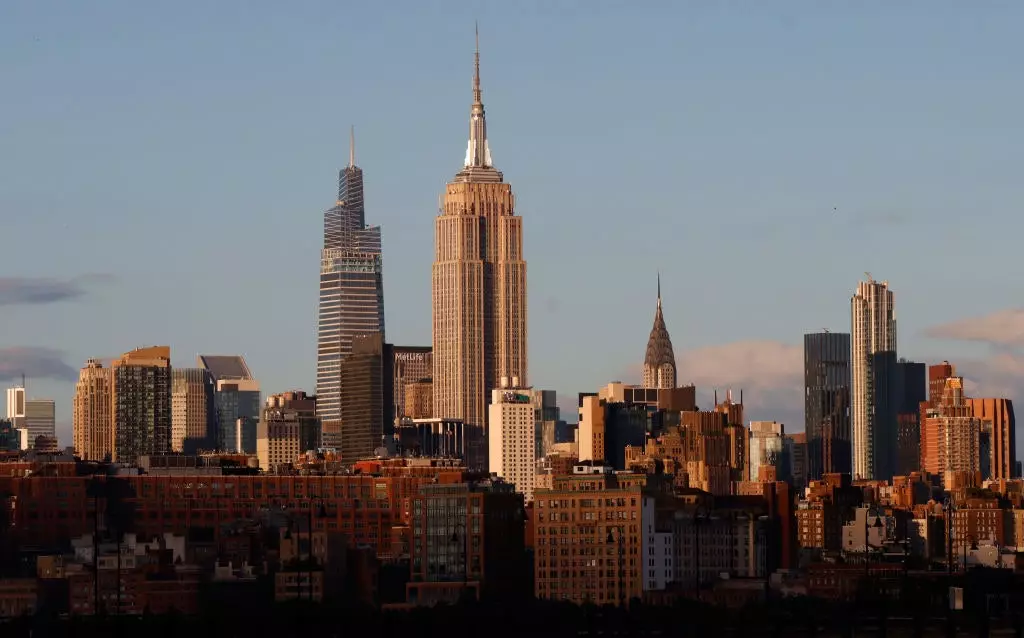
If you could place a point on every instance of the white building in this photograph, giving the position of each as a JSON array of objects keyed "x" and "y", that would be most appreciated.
[
  {"x": 16, "y": 406},
  {"x": 873, "y": 319},
  {"x": 512, "y": 436}
]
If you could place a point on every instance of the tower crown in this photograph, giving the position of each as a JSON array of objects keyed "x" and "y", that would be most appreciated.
[
  {"x": 659, "y": 359},
  {"x": 478, "y": 166}
]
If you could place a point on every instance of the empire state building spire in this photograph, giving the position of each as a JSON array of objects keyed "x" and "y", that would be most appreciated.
[{"x": 478, "y": 153}]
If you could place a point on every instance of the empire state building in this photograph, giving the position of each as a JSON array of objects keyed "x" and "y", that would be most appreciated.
[{"x": 479, "y": 282}]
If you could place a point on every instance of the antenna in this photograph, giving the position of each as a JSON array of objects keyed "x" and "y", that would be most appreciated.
[{"x": 868, "y": 275}]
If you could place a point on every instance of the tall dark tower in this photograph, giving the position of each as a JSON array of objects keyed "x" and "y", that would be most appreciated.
[
  {"x": 351, "y": 287},
  {"x": 827, "y": 403}
]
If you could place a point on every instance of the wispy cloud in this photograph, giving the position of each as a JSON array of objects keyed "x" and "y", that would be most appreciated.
[
  {"x": 1005, "y": 328},
  {"x": 34, "y": 363},
  {"x": 45, "y": 290}
]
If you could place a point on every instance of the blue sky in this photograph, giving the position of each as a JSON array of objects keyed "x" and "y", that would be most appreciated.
[{"x": 164, "y": 168}]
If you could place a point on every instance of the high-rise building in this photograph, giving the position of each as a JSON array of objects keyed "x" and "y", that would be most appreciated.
[
  {"x": 910, "y": 391},
  {"x": 351, "y": 286},
  {"x": 996, "y": 417},
  {"x": 193, "y": 416},
  {"x": 142, "y": 404},
  {"x": 412, "y": 365},
  {"x": 288, "y": 427},
  {"x": 873, "y": 320},
  {"x": 952, "y": 434},
  {"x": 40, "y": 419},
  {"x": 827, "y": 403},
  {"x": 16, "y": 406},
  {"x": 512, "y": 436},
  {"x": 659, "y": 359},
  {"x": 236, "y": 395},
  {"x": 92, "y": 420},
  {"x": 367, "y": 412},
  {"x": 478, "y": 282}
]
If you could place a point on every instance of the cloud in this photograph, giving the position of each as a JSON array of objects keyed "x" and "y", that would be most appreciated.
[
  {"x": 44, "y": 290},
  {"x": 1000, "y": 375},
  {"x": 1005, "y": 327},
  {"x": 34, "y": 363}
]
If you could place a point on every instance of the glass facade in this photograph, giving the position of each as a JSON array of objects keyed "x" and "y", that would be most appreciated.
[
  {"x": 827, "y": 403},
  {"x": 351, "y": 288}
]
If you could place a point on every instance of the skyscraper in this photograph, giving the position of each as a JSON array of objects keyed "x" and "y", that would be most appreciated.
[
  {"x": 142, "y": 404},
  {"x": 16, "y": 405},
  {"x": 351, "y": 286},
  {"x": 827, "y": 403},
  {"x": 478, "y": 282},
  {"x": 92, "y": 423},
  {"x": 873, "y": 320},
  {"x": 236, "y": 397},
  {"x": 367, "y": 407},
  {"x": 193, "y": 416},
  {"x": 659, "y": 359}
]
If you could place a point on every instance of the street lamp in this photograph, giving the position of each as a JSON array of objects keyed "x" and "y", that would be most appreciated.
[{"x": 615, "y": 537}]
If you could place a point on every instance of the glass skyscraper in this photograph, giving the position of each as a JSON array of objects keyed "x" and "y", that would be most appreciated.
[{"x": 351, "y": 287}]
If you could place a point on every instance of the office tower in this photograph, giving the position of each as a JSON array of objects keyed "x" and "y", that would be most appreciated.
[
  {"x": 40, "y": 419},
  {"x": 512, "y": 436},
  {"x": 911, "y": 390},
  {"x": 953, "y": 435},
  {"x": 659, "y": 359},
  {"x": 236, "y": 395},
  {"x": 827, "y": 403},
  {"x": 92, "y": 420},
  {"x": 767, "y": 448},
  {"x": 288, "y": 427},
  {"x": 412, "y": 364},
  {"x": 193, "y": 416},
  {"x": 351, "y": 286},
  {"x": 142, "y": 404},
  {"x": 16, "y": 406},
  {"x": 873, "y": 320},
  {"x": 478, "y": 282},
  {"x": 367, "y": 411},
  {"x": 546, "y": 421},
  {"x": 996, "y": 416}
]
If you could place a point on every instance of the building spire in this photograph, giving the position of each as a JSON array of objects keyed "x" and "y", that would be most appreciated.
[
  {"x": 659, "y": 289},
  {"x": 351, "y": 146},
  {"x": 478, "y": 153}
]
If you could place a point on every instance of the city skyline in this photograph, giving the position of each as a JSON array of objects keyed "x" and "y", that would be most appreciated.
[{"x": 723, "y": 344}]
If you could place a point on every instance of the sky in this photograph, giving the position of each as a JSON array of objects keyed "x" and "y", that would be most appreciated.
[{"x": 164, "y": 168}]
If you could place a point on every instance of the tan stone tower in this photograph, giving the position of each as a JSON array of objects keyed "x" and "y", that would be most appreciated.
[{"x": 479, "y": 282}]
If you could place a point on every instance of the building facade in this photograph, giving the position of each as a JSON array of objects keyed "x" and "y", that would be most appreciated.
[
  {"x": 367, "y": 411},
  {"x": 288, "y": 427},
  {"x": 92, "y": 420},
  {"x": 873, "y": 328},
  {"x": 478, "y": 282},
  {"x": 827, "y": 403},
  {"x": 996, "y": 416},
  {"x": 193, "y": 416},
  {"x": 142, "y": 404},
  {"x": 351, "y": 286},
  {"x": 659, "y": 358},
  {"x": 40, "y": 419},
  {"x": 236, "y": 396},
  {"x": 512, "y": 436},
  {"x": 412, "y": 364},
  {"x": 16, "y": 406}
]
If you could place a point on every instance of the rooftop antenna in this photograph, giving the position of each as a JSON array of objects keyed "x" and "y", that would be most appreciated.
[{"x": 868, "y": 275}]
